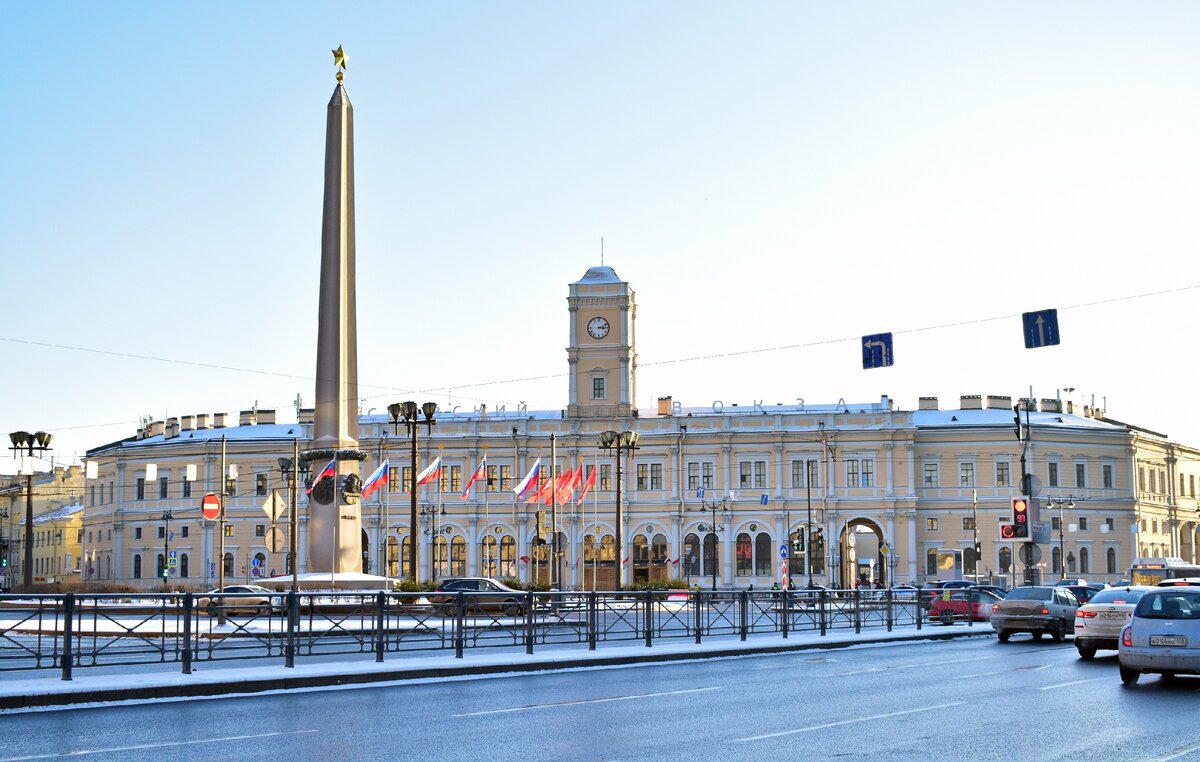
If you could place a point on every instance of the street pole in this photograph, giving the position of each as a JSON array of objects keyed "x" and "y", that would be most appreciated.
[
  {"x": 221, "y": 522},
  {"x": 1062, "y": 552},
  {"x": 553, "y": 513},
  {"x": 294, "y": 529},
  {"x": 808, "y": 525},
  {"x": 166, "y": 570},
  {"x": 975, "y": 530}
]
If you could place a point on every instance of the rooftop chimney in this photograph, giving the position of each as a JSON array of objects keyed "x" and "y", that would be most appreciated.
[
  {"x": 997, "y": 402},
  {"x": 970, "y": 402},
  {"x": 927, "y": 403},
  {"x": 220, "y": 420},
  {"x": 664, "y": 406}
]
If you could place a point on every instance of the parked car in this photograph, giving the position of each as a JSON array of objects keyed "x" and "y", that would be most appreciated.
[
  {"x": 995, "y": 589},
  {"x": 481, "y": 594},
  {"x": 1098, "y": 622},
  {"x": 978, "y": 602},
  {"x": 934, "y": 589},
  {"x": 1036, "y": 609},
  {"x": 1083, "y": 593},
  {"x": 1163, "y": 635},
  {"x": 907, "y": 593},
  {"x": 247, "y": 599}
]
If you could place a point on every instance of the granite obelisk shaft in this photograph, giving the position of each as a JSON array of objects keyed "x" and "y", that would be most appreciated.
[{"x": 335, "y": 526}]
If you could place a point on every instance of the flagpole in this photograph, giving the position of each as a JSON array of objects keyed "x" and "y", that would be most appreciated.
[
  {"x": 554, "y": 571},
  {"x": 595, "y": 520},
  {"x": 486, "y": 518},
  {"x": 381, "y": 551}
]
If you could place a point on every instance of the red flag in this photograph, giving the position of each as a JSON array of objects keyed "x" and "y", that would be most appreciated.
[{"x": 591, "y": 482}]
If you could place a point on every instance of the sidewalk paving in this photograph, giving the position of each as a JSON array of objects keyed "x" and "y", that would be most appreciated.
[{"x": 23, "y": 693}]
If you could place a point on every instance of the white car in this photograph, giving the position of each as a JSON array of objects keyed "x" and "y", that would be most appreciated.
[
  {"x": 1098, "y": 623},
  {"x": 1163, "y": 635}
]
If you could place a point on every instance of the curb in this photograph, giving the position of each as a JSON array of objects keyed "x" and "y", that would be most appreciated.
[{"x": 59, "y": 697}]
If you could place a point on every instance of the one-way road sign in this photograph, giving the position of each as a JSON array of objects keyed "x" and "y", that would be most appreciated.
[{"x": 1041, "y": 328}]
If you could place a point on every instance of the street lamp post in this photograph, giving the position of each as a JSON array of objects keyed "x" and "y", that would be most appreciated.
[
  {"x": 30, "y": 443},
  {"x": 430, "y": 513},
  {"x": 407, "y": 412},
  {"x": 975, "y": 532},
  {"x": 716, "y": 506},
  {"x": 166, "y": 570},
  {"x": 294, "y": 472},
  {"x": 627, "y": 441},
  {"x": 1062, "y": 552}
]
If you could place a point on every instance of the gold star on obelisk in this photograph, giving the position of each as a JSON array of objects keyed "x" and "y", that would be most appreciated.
[{"x": 339, "y": 60}]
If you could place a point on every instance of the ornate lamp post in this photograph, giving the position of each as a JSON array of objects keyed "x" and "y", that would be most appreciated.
[
  {"x": 28, "y": 444},
  {"x": 1062, "y": 555},
  {"x": 166, "y": 568},
  {"x": 407, "y": 412},
  {"x": 715, "y": 506},
  {"x": 430, "y": 513},
  {"x": 627, "y": 441}
]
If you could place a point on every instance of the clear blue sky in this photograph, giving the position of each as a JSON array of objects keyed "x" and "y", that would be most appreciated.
[{"x": 764, "y": 175}]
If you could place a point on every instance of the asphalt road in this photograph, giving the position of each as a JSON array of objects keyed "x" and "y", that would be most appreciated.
[{"x": 971, "y": 699}]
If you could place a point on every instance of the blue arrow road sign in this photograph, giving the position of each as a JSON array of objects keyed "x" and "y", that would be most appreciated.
[
  {"x": 877, "y": 351},
  {"x": 1040, "y": 328},
  {"x": 783, "y": 551}
]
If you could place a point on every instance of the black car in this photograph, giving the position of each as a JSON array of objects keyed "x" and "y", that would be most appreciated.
[{"x": 481, "y": 594}]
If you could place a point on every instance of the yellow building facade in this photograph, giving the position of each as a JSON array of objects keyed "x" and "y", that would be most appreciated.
[
  {"x": 57, "y": 515},
  {"x": 719, "y": 494}
]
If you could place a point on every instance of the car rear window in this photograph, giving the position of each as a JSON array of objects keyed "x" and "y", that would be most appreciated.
[
  {"x": 1172, "y": 605},
  {"x": 1030, "y": 594},
  {"x": 1117, "y": 595}
]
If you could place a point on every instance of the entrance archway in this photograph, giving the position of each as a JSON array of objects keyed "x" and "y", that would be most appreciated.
[{"x": 862, "y": 563}]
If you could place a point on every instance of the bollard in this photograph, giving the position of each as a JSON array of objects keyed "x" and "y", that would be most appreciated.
[
  {"x": 68, "y": 641},
  {"x": 189, "y": 604},
  {"x": 459, "y": 626},
  {"x": 592, "y": 618},
  {"x": 648, "y": 616},
  {"x": 821, "y": 599},
  {"x": 293, "y": 620},
  {"x": 694, "y": 597},
  {"x": 857, "y": 611},
  {"x": 887, "y": 602},
  {"x": 786, "y": 613},
  {"x": 380, "y": 620}
]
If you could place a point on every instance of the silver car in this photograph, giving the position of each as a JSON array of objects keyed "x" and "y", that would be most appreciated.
[
  {"x": 1098, "y": 623},
  {"x": 1163, "y": 635},
  {"x": 1036, "y": 609}
]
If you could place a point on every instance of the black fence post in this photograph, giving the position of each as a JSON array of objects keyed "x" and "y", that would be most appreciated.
[
  {"x": 649, "y": 616},
  {"x": 529, "y": 622},
  {"x": 920, "y": 610},
  {"x": 293, "y": 621},
  {"x": 189, "y": 605},
  {"x": 68, "y": 657},
  {"x": 887, "y": 602},
  {"x": 857, "y": 610},
  {"x": 822, "y": 597},
  {"x": 380, "y": 622},
  {"x": 592, "y": 619},
  {"x": 459, "y": 625},
  {"x": 696, "y": 599},
  {"x": 786, "y": 613}
]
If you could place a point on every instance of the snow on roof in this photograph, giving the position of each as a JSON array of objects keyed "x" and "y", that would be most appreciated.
[
  {"x": 257, "y": 431},
  {"x": 58, "y": 514},
  {"x": 998, "y": 417},
  {"x": 600, "y": 274}
]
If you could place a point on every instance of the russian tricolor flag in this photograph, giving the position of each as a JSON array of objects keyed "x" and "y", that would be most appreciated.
[
  {"x": 376, "y": 479},
  {"x": 529, "y": 480},
  {"x": 432, "y": 472},
  {"x": 326, "y": 473}
]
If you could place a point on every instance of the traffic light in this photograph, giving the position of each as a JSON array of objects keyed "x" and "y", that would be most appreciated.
[
  {"x": 1020, "y": 517},
  {"x": 164, "y": 572},
  {"x": 1017, "y": 421},
  {"x": 798, "y": 542},
  {"x": 4, "y": 562},
  {"x": 1007, "y": 532}
]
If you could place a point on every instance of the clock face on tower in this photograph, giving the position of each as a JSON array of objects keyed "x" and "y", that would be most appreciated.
[{"x": 597, "y": 328}]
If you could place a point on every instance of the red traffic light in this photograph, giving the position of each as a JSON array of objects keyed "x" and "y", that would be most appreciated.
[
  {"x": 1007, "y": 531},
  {"x": 1020, "y": 517}
]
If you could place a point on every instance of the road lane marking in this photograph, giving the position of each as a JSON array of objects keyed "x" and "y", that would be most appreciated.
[
  {"x": 1003, "y": 672},
  {"x": 1178, "y": 753},
  {"x": 850, "y": 722},
  {"x": 556, "y": 704},
  {"x": 1073, "y": 682},
  {"x": 163, "y": 745}
]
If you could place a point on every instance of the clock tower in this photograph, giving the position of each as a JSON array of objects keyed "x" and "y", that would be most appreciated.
[{"x": 601, "y": 350}]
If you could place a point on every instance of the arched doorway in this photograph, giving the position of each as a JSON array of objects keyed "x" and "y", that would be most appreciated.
[{"x": 862, "y": 562}]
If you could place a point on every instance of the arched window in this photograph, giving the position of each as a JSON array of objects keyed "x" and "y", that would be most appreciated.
[
  {"x": 440, "y": 557},
  {"x": 658, "y": 549},
  {"x": 392, "y": 564},
  {"x": 488, "y": 555},
  {"x": 710, "y": 557},
  {"x": 931, "y": 562},
  {"x": 259, "y": 565},
  {"x": 641, "y": 551},
  {"x": 795, "y": 557},
  {"x": 1084, "y": 561},
  {"x": 1005, "y": 560},
  {"x": 160, "y": 563},
  {"x": 1110, "y": 560},
  {"x": 183, "y": 565},
  {"x": 137, "y": 567},
  {"x": 744, "y": 554},
  {"x": 691, "y": 556},
  {"x": 458, "y": 556},
  {"x": 1056, "y": 562},
  {"x": 228, "y": 565},
  {"x": 762, "y": 554}
]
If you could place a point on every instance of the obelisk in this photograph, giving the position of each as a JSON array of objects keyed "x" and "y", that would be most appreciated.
[{"x": 334, "y": 522}]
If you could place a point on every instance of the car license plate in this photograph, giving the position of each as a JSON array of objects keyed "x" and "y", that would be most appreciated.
[
  {"x": 1112, "y": 615},
  {"x": 1168, "y": 640}
]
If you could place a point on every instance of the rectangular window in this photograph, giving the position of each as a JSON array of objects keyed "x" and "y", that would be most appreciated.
[
  {"x": 92, "y": 495},
  {"x": 1153, "y": 484},
  {"x": 693, "y": 476},
  {"x": 745, "y": 474},
  {"x": 966, "y": 475},
  {"x": 643, "y": 476},
  {"x": 407, "y": 475},
  {"x": 456, "y": 479},
  {"x": 260, "y": 530},
  {"x": 1192, "y": 484},
  {"x": 1106, "y": 475},
  {"x": 506, "y": 479},
  {"x": 1081, "y": 475},
  {"x": 1083, "y": 523},
  {"x": 137, "y": 533},
  {"x": 140, "y": 489},
  {"x": 260, "y": 485},
  {"x": 968, "y": 523},
  {"x": 656, "y": 476},
  {"x": 852, "y": 473},
  {"x": 868, "y": 473},
  {"x": 931, "y": 476},
  {"x": 187, "y": 488},
  {"x": 1055, "y": 523},
  {"x": 183, "y": 531},
  {"x": 606, "y": 477},
  {"x": 931, "y": 525},
  {"x": 597, "y": 388},
  {"x": 162, "y": 532},
  {"x": 1111, "y": 523},
  {"x": 393, "y": 479},
  {"x": 162, "y": 487},
  {"x": 1002, "y": 475},
  {"x": 1052, "y": 474},
  {"x": 229, "y": 530},
  {"x": 492, "y": 486},
  {"x": 1141, "y": 478}
]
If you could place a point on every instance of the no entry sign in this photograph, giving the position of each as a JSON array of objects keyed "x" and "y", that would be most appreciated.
[{"x": 210, "y": 506}]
